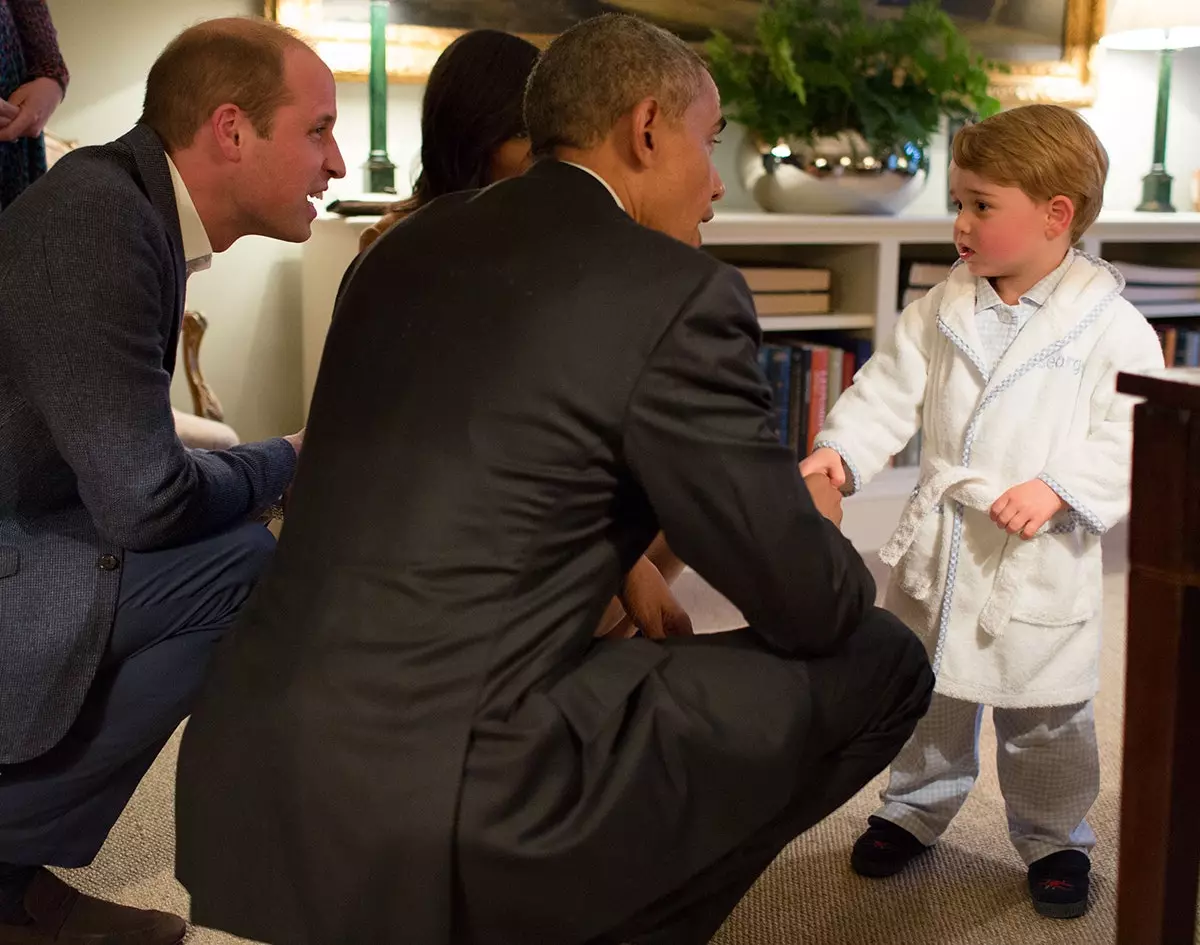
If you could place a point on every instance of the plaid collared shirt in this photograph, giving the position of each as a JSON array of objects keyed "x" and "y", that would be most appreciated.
[{"x": 999, "y": 323}]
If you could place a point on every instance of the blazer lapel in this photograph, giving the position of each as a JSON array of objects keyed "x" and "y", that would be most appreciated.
[{"x": 151, "y": 158}]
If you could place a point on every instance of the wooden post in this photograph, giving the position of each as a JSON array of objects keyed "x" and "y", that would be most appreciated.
[{"x": 1160, "y": 832}]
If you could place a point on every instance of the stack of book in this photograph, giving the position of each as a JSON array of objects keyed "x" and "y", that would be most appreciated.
[
  {"x": 806, "y": 378},
  {"x": 919, "y": 278},
  {"x": 1168, "y": 292},
  {"x": 787, "y": 291},
  {"x": 1162, "y": 291}
]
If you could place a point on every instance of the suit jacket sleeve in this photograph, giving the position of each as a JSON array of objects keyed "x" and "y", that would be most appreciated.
[
  {"x": 39, "y": 41},
  {"x": 727, "y": 494},
  {"x": 91, "y": 363}
]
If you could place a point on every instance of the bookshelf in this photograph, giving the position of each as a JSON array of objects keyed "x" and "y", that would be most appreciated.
[
  {"x": 832, "y": 322},
  {"x": 866, "y": 256}
]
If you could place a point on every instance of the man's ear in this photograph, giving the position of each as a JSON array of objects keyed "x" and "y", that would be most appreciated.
[
  {"x": 646, "y": 120},
  {"x": 1060, "y": 214},
  {"x": 229, "y": 127}
]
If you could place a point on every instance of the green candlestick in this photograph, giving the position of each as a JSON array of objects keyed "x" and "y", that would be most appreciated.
[
  {"x": 380, "y": 171},
  {"x": 1156, "y": 186}
]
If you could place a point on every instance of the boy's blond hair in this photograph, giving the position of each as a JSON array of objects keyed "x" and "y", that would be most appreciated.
[{"x": 1046, "y": 150}]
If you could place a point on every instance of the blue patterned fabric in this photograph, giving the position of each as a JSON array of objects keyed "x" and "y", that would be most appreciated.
[{"x": 28, "y": 50}]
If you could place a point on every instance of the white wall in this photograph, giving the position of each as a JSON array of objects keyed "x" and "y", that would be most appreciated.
[
  {"x": 251, "y": 295},
  {"x": 1123, "y": 117},
  {"x": 251, "y": 354}
]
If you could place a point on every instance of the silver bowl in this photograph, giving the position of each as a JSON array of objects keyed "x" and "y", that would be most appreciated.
[{"x": 834, "y": 175}]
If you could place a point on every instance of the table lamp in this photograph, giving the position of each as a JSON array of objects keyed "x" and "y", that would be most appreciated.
[
  {"x": 380, "y": 171},
  {"x": 1163, "y": 25}
]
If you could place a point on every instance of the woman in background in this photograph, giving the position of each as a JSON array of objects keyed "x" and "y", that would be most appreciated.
[
  {"x": 472, "y": 129},
  {"x": 473, "y": 134},
  {"x": 33, "y": 80}
]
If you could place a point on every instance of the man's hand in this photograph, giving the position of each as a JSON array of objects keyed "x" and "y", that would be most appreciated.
[
  {"x": 825, "y": 462},
  {"x": 1025, "y": 508},
  {"x": 35, "y": 102},
  {"x": 649, "y": 606},
  {"x": 825, "y": 494}
]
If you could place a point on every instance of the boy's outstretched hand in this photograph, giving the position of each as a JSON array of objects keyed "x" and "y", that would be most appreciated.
[
  {"x": 1025, "y": 508},
  {"x": 828, "y": 463}
]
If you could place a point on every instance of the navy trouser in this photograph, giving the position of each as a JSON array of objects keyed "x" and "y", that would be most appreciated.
[{"x": 173, "y": 608}]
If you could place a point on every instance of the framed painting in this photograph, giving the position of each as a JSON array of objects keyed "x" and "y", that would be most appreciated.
[
  {"x": 1046, "y": 44},
  {"x": 418, "y": 30}
]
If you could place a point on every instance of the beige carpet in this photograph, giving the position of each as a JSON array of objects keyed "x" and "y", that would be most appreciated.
[{"x": 969, "y": 891}]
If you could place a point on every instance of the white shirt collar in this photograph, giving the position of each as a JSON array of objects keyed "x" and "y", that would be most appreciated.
[
  {"x": 607, "y": 185},
  {"x": 986, "y": 296},
  {"x": 197, "y": 250}
]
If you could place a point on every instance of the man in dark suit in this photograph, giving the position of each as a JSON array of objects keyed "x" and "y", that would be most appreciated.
[
  {"x": 123, "y": 555},
  {"x": 412, "y": 735}
]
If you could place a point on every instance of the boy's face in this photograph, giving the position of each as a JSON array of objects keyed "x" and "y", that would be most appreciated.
[{"x": 1001, "y": 232}]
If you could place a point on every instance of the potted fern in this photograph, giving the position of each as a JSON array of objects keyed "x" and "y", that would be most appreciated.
[{"x": 841, "y": 107}]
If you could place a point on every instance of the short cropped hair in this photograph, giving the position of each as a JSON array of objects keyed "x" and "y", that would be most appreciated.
[
  {"x": 597, "y": 71},
  {"x": 1046, "y": 150},
  {"x": 235, "y": 60}
]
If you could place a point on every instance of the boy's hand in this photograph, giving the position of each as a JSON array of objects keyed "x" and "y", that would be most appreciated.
[
  {"x": 828, "y": 463},
  {"x": 1026, "y": 508}
]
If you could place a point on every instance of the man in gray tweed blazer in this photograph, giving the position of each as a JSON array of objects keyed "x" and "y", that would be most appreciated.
[{"x": 123, "y": 555}]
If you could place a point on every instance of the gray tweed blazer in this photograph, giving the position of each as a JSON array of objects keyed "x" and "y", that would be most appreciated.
[{"x": 91, "y": 297}]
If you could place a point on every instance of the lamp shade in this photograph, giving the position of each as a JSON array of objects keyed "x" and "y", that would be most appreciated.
[{"x": 1153, "y": 24}]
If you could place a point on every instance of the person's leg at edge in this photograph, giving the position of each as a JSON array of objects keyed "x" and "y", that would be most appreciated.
[{"x": 57, "y": 809}]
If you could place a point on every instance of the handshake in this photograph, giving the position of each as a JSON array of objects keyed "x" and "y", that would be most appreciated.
[
  {"x": 1021, "y": 510},
  {"x": 824, "y": 475}
]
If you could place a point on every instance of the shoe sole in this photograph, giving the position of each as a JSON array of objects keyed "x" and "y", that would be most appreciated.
[
  {"x": 1060, "y": 910},
  {"x": 872, "y": 870}
]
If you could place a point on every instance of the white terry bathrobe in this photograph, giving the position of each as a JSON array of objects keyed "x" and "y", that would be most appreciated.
[{"x": 1009, "y": 623}]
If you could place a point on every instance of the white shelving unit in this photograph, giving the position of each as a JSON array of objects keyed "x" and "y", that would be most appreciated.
[
  {"x": 815, "y": 322},
  {"x": 865, "y": 255}
]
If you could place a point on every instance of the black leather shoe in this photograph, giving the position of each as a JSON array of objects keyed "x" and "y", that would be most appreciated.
[{"x": 57, "y": 914}]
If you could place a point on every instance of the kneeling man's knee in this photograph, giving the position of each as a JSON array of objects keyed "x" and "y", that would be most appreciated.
[
  {"x": 250, "y": 548},
  {"x": 896, "y": 644},
  {"x": 892, "y": 660}
]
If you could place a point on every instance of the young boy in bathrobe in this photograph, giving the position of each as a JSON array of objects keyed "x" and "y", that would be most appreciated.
[{"x": 1009, "y": 368}]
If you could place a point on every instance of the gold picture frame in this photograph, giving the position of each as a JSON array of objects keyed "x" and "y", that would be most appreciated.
[
  {"x": 1067, "y": 81},
  {"x": 412, "y": 50},
  {"x": 346, "y": 47}
]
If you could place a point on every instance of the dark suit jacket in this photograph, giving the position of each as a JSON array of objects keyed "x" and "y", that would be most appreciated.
[
  {"x": 411, "y": 736},
  {"x": 91, "y": 298}
]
